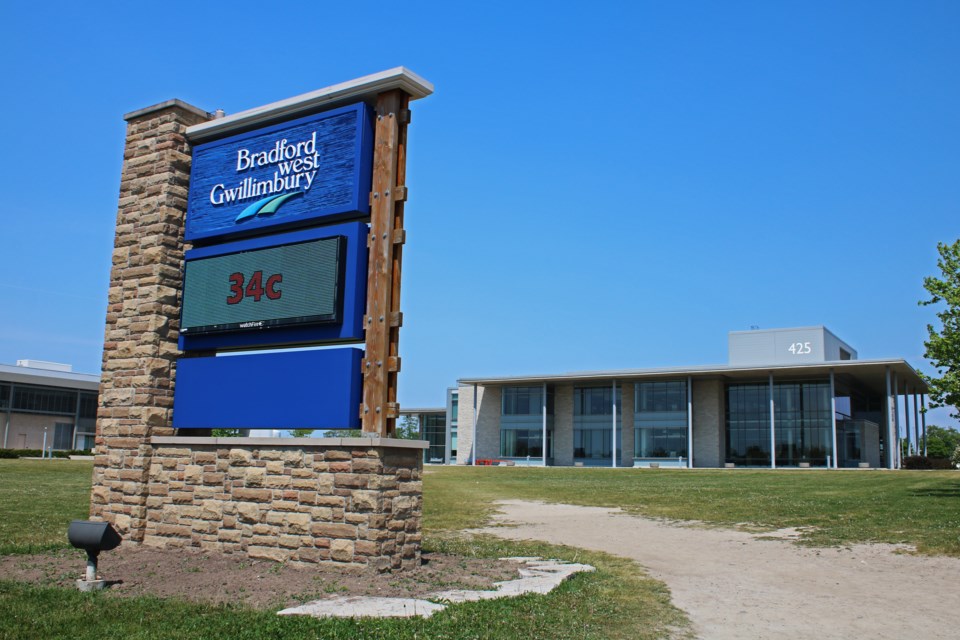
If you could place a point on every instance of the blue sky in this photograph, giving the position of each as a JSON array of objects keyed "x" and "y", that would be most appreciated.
[{"x": 593, "y": 185}]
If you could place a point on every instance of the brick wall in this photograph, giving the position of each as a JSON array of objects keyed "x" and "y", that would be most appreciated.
[
  {"x": 708, "y": 421},
  {"x": 346, "y": 503},
  {"x": 143, "y": 310}
]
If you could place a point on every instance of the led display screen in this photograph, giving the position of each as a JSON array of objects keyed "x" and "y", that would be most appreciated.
[{"x": 290, "y": 284}]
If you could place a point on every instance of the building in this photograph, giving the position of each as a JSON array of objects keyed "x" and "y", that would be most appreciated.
[
  {"x": 438, "y": 426},
  {"x": 46, "y": 402},
  {"x": 786, "y": 398}
]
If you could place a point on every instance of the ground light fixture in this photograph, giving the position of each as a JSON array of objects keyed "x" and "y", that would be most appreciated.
[{"x": 92, "y": 537}]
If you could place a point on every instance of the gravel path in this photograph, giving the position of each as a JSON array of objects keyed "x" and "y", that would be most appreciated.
[{"x": 735, "y": 584}]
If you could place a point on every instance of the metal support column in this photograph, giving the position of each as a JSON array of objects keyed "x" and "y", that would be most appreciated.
[
  {"x": 908, "y": 434},
  {"x": 473, "y": 444},
  {"x": 890, "y": 439},
  {"x": 6, "y": 430},
  {"x": 923, "y": 418},
  {"x": 833, "y": 416},
  {"x": 898, "y": 452},
  {"x": 613, "y": 400},
  {"x": 773, "y": 441},
  {"x": 543, "y": 444},
  {"x": 916, "y": 425},
  {"x": 689, "y": 422}
]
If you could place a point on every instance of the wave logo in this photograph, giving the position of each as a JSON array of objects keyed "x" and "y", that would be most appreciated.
[{"x": 265, "y": 207}]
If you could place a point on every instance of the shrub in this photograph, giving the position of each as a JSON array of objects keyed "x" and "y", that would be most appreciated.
[
  {"x": 37, "y": 453},
  {"x": 955, "y": 458},
  {"x": 926, "y": 462}
]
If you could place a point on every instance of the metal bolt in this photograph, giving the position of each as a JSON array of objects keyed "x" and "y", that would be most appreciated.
[
  {"x": 376, "y": 194},
  {"x": 378, "y": 409},
  {"x": 379, "y": 363},
  {"x": 381, "y": 318},
  {"x": 387, "y": 193}
]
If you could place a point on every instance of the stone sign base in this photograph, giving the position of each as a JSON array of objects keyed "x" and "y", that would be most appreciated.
[{"x": 355, "y": 501}]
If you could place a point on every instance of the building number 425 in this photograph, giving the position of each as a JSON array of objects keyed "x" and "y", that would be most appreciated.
[
  {"x": 799, "y": 348},
  {"x": 256, "y": 288}
]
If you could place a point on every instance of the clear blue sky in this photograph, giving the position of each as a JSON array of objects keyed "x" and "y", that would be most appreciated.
[{"x": 593, "y": 185}]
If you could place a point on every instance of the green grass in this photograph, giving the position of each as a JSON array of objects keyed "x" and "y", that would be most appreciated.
[
  {"x": 617, "y": 601},
  {"x": 920, "y": 508},
  {"x": 38, "y": 499}
]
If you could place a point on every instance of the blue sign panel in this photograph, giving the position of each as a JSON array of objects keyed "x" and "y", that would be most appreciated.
[
  {"x": 300, "y": 287},
  {"x": 286, "y": 390},
  {"x": 312, "y": 170}
]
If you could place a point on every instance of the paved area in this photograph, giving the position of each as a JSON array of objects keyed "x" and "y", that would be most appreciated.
[{"x": 735, "y": 584}]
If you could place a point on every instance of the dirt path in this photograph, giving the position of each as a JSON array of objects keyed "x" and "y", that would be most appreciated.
[{"x": 734, "y": 584}]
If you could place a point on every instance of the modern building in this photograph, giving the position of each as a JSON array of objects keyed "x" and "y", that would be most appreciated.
[
  {"x": 46, "y": 402},
  {"x": 786, "y": 398},
  {"x": 438, "y": 426}
]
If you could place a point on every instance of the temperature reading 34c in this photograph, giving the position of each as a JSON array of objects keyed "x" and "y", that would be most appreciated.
[
  {"x": 256, "y": 287},
  {"x": 799, "y": 348}
]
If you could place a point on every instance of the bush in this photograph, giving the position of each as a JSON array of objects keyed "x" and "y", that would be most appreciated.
[
  {"x": 37, "y": 453},
  {"x": 926, "y": 462},
  {"x": 955, "y": 458}
]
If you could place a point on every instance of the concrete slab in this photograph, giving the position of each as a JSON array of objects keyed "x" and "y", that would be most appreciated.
[
  {"x": 536, "y": 576},
  {"x": 365, "y": 607}
]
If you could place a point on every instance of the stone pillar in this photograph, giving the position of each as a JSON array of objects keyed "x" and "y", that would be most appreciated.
[
  {"x": 709, "y": 423},
  {"x": 563, "y": 425},
  {"x": 626, "y": 425},
  {"x": 140, "y": 342}
]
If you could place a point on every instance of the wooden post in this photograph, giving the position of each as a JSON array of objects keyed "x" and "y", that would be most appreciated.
[{"x": 383, "y": 319}]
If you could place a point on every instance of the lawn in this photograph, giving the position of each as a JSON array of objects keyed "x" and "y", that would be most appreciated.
[
  {"x": 617, "y": 601},
  {"x": 920, "y": 508}
]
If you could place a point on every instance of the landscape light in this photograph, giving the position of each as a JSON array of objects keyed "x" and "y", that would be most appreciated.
[{"x": 92, "y": 537}]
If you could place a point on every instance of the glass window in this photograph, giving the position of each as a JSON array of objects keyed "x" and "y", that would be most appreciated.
[
  {"x": 802, "y": 422},
  {"x": 433, "y": 429},
  {"x": 670, "y": 395},
  {"x": 592, "y": 444},
  {"x": 42, "y": 400},
  {"x": 520, "y": 443},
  {"x": 4, "y": 396},
  {"x": 88, "y": 405},
  {"x": 62, "y": 436},
  {"x": 748, "y": 424},
  {"x": 652, "y": 442},
  {"x": 522, "y": 401},
  {"x": 660, "y": 419},
  {"x": 454, "y": 407},
  {"x": 594, "y": 401}
]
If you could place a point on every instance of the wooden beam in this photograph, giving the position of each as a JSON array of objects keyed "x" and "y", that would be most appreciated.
[{"x": 381, "y": 364}]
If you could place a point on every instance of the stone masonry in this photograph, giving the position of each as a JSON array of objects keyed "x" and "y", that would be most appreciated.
[
  {"x": 354, "y": 501},
  {"x": 143, "y": 310},
  {"x": 346, "y": 502}
]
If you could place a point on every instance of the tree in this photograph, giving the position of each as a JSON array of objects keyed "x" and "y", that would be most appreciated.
[
  {"x": 301, "y": 433},
  {"x": 225, "y": 433},
  {"x": 342, "y": 433},
  {"x": 941, "y": 443},
  {"x": 943, "y": 346},
  {"x": 408, "y": 428}
]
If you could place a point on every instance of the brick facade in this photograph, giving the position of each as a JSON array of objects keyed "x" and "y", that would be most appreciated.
[
  {"x": 143, "y": 311},
  {"x": 310, "y": 501}
]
